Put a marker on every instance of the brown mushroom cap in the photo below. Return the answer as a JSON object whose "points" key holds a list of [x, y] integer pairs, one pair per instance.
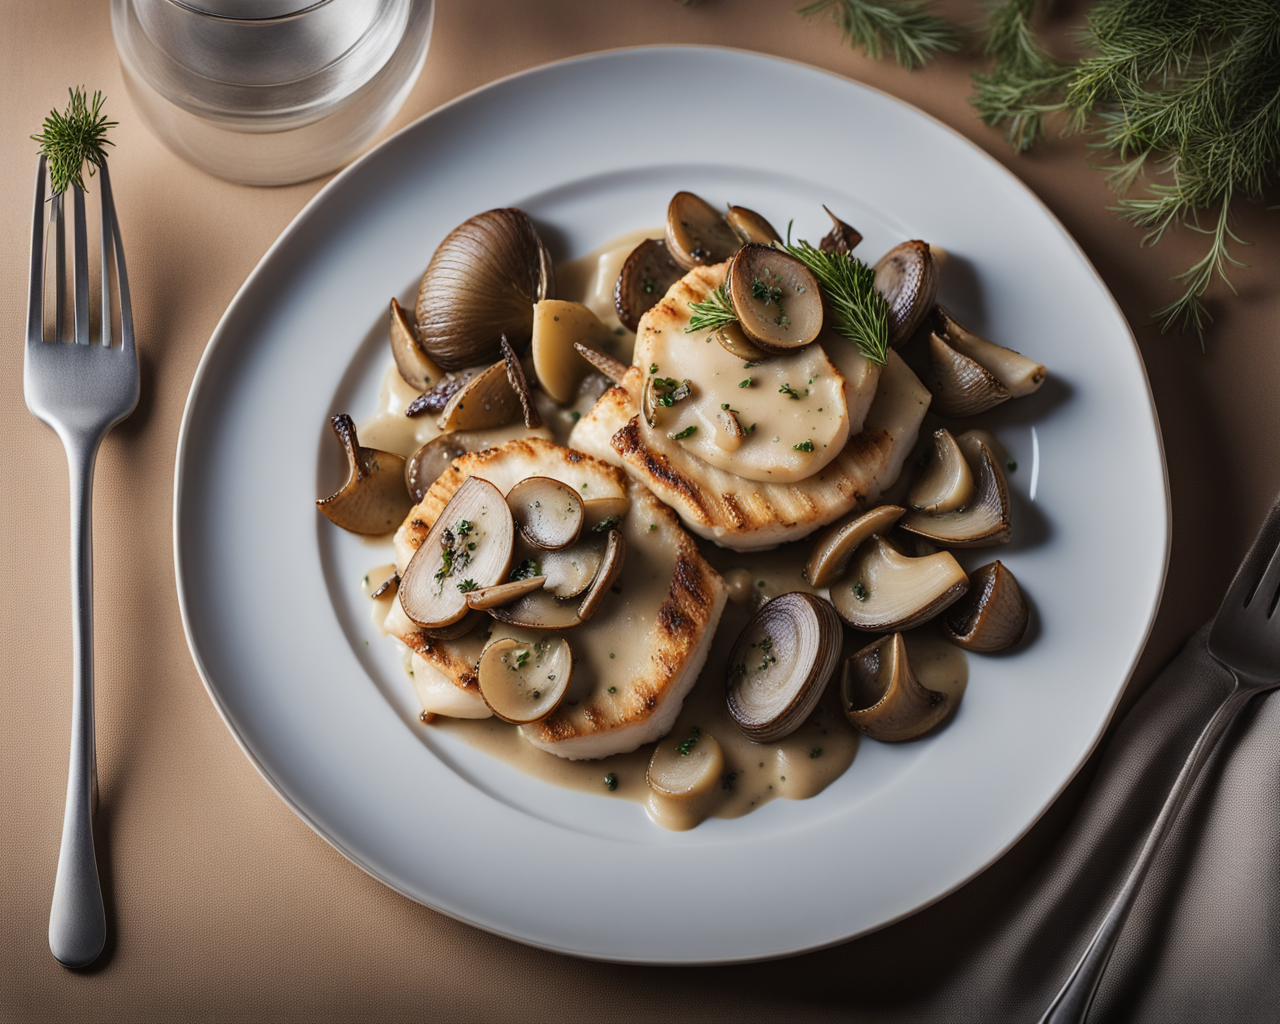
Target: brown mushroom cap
{"points": [[481, 283], [437, 397], [907, 277], [548, 513], [749, 226], [882, 697], [992, 615], [486, 400], [836, 544], [697, 233], [467, 548], [776, 297], [841, 239], [644, 279], [684, 767], [415, 366], [946, 483], [780, 665], [541, 609], [524, 682], [885, 590], [374, 499], [984, 521], [960, 386], [424, 466]]}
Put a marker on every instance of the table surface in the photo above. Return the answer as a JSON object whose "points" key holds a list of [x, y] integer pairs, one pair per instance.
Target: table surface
{"points": [[223, 905]]}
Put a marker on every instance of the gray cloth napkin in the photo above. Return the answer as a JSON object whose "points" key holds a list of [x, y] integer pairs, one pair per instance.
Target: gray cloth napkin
{"points": [[1203, 942]]}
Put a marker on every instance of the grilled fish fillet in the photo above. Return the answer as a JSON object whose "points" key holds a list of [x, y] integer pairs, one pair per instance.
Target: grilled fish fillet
{"points": [[647, 642], [748, 515]]}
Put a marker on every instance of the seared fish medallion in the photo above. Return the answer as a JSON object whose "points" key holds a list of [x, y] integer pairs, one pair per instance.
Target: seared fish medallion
{"points": [[807, 436], [635, 659]]}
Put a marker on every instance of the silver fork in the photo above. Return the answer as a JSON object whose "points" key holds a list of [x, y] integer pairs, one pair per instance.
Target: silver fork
{"points": [[81, 390], [1245, 639]]}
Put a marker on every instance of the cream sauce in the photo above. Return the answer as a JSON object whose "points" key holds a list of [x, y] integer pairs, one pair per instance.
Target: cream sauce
{"points": [[590, 279]]}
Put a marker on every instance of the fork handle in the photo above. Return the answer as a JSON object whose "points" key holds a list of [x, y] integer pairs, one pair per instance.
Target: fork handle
{"points": [[77, 920], [1071, 1004]]}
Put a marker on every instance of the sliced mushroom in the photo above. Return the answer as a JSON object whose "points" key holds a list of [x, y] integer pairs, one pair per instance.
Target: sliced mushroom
{"points": [[882, 697], [959, 385], [438, 396], [415, 366], [569, 571], [484, 598], [983, 521], [884, 590], [946, 483], [697, 233], [729, 431], [524, 682], [1015, 371], [601, 511], [424, 466], [468, 548], [612, 368], [731, 338], [481, 283], [541, 609], [780, 665], [907, 277], [776, 297], [841, 239], [992, 616], [749, 226], [557, 325], [486, 400], [645, 278], [684, 767], [549, 514], [374, 500], [390, 583], [836, 545], [615, 552], [515, 377]]}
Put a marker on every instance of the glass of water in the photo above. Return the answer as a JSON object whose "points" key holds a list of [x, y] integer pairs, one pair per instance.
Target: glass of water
{"points": [[270, 92]]}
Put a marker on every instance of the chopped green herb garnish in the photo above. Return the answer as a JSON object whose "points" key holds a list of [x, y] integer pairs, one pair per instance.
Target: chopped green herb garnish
{"points": [[521, 659], [1010, 465], [612, 655], [605, 525], [611, 780], [652, 527], [745, 383], [653, 367], [687, 746], [816, 752], [803, 446], [466, 586], [680, 435], [860, 592], [714, 311], [575, 415], [526, 570], [613, 689], [789, 391]]}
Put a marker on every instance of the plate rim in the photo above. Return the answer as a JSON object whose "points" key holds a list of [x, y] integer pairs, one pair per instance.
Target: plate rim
{"points": [[304, 215]]}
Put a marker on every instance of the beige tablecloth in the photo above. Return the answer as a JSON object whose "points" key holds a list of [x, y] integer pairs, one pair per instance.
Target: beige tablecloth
{"points": [[223, 905]]}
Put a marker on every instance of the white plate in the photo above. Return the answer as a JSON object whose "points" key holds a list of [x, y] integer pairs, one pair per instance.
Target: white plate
{"points": [[269, 590]]}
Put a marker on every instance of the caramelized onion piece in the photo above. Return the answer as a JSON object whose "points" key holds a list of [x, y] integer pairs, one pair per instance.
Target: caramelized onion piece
{"points": [[484, 598], [992, 616], [557, 325], [549, 514], [984, 520], [884, 590], [907, 277], [469, 545], [780, 665], [959, 385], [749, 226], [524, 682], [486, 400], [374, 500], [776, 298], [644, 280], [946, 483], [415, 366], [516, 378], [836, 544], [1015, 371], [841, 239], [481, 283], [882, 697], [686, 766], [697, 234]]}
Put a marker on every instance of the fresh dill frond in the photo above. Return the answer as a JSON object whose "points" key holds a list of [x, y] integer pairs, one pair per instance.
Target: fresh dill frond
{"points": [[714, 311], [74, 138], [849, 286], [906, 28]]}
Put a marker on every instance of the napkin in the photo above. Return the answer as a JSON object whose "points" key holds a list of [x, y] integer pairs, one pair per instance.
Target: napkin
{"points": [[1203, 941]]}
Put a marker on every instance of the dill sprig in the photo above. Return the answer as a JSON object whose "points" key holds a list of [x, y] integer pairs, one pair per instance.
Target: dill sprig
{"points": [[906, 28], [860, 312], [74, 138], [714, 311]]}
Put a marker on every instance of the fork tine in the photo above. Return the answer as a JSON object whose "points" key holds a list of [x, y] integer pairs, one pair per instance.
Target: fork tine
{"points": [[81, 256], [122, 275], [57, 224], [107, 238], [35, 297], [1259, 573]]}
